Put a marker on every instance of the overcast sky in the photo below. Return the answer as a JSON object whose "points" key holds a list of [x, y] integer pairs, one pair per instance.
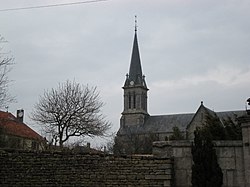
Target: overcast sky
{"points": [[191, 51]]}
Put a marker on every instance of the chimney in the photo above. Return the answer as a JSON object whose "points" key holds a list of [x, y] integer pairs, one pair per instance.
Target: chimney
{"points": [[19, 115]]}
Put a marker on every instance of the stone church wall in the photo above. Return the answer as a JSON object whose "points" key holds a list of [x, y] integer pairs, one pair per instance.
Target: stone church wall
{"points": [[230, 159], [23, 168]]}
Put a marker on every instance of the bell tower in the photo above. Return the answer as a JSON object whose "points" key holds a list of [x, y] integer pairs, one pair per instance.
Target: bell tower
{"points": [[135, 90]]}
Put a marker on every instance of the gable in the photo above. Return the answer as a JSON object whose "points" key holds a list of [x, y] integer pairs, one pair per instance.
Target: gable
{"points": [[200, 118]]}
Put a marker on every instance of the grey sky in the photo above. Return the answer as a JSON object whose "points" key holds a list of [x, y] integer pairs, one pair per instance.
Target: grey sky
{"points": [[190, 50]]}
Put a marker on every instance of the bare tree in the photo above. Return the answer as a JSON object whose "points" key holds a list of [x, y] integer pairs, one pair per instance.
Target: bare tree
{"points": [[71, 110], [5, 63]]}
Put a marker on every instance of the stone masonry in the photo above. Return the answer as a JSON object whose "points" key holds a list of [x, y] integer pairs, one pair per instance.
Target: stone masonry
{"points": [[233, 158], [230, 158], [23, 168]]}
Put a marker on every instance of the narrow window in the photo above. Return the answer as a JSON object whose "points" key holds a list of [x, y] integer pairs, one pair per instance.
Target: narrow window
{"points": [[129, 101], [134, 100], [143, 101]]}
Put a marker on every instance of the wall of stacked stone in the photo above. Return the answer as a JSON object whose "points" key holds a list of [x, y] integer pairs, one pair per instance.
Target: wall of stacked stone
{"points": [[229, 154], [23, 168]]}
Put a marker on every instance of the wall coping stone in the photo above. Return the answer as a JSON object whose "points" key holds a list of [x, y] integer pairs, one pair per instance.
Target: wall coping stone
{"points": [[4, 151], [188, 143], [228, 143]]}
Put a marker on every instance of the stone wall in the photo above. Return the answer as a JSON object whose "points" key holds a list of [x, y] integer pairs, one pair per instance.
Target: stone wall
{"points": [[245, 125], [23, 168], [230, 159]]}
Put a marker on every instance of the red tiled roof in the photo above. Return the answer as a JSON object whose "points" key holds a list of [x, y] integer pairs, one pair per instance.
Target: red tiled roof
{"points": [[12, 126]]}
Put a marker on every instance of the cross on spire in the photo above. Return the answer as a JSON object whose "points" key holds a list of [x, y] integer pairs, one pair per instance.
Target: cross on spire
{"points": [[135, 23]]}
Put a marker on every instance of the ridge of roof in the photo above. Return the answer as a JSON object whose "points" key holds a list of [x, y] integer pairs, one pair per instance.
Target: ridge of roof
{"points": [[162, 115], [233, 111], [6, 115]]}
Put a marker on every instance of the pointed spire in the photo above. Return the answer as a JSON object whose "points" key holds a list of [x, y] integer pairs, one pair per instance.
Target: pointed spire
{"points": [[135, 70]]}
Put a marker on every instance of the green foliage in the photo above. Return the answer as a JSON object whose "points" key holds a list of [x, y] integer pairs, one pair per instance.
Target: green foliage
{"points": [[206, 171], [216, 129], [233, 130], [213, 128], [177, 135], [147, 144]]}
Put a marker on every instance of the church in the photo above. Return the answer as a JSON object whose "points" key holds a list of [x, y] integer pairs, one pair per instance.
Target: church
{"points": [[138, 129]]}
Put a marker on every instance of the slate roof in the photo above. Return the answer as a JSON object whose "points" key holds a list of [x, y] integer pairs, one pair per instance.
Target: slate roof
{"points": [[135, 69], [159, 124], [12, 126], [224, 114], [165, 123], [231, 114]]}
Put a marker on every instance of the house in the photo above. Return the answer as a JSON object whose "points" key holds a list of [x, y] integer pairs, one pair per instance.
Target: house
{"points": [[138, 129], [15, 134]]}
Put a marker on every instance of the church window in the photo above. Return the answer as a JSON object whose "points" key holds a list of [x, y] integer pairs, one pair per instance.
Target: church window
{"points": [[134, 100], [129, 100], [143, 101]]}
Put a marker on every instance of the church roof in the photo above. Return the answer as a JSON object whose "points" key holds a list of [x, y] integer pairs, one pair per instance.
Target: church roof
{"points": [[165, 123], [159, 124], [231, 114]]}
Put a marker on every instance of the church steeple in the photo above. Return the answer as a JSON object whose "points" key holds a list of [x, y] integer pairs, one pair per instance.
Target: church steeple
{"points": [[135, 88], [135, 76], [135, 71]]}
